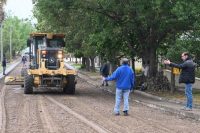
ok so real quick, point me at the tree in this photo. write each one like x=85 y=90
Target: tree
x=147 y=25
x=79 y=34
x=129 y=28
x=2 y=3
x=20 y=32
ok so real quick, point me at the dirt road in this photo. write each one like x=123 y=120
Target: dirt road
x=89 y=110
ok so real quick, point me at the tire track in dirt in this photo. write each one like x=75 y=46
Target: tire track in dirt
x=78 y=116
x=36 y=113
x=22 y=112
x=2 y=111
x=110 y=122
x=92 y=113
x=152 y=123
x=29 y=113
x=49 y=125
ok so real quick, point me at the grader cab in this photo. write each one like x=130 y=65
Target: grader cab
x=46 y=64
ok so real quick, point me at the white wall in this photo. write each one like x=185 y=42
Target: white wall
x=168 y=74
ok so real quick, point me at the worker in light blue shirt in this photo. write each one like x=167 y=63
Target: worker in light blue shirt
x=124 y=77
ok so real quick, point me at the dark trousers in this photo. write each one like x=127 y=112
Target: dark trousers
x=4 y=70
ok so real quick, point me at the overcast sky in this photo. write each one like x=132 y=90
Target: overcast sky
x=19 y=8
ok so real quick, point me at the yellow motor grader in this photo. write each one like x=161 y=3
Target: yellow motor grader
x=46 y=65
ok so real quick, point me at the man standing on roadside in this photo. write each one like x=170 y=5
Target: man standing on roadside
x=124 y=77
x=4 y=65
x=24 y=60
x=187 y=76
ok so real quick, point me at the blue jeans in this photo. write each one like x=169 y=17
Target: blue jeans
x=118 y=96
x=188 y=93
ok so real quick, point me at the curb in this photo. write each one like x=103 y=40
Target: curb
x=10 y=69
x=185 y=114
x=163 y=99
x=149 y=95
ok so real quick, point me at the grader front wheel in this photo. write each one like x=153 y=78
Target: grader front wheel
x=28 y=84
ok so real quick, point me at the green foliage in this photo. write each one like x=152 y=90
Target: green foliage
x=116 y=28
x=198 y=73
x=20 y=30
x=185 y=45
x=174 y=53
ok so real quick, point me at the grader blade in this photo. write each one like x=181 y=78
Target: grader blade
x=9 y=80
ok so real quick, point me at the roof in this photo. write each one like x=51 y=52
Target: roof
x=47 y=34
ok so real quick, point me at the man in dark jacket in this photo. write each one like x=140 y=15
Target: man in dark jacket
x=105 y=72
x=124 y=77
x=187 y=76
x=4 y=65
x=24 y=60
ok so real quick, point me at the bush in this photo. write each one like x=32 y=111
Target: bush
x=198 y=73
x=158 y=83
x=77 y=66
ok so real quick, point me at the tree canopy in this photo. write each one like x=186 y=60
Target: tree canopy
x=20 y=30
x=116 y=28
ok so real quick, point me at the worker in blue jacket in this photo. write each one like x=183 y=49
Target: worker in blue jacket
x=124 y=77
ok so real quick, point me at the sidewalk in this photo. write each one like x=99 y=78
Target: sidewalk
x=10 y=67
x=146 y=99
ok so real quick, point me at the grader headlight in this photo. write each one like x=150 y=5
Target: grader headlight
x=44 y=52
x=60 y=55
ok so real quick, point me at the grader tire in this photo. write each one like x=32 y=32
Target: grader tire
x=28 y=84
x=70 y=87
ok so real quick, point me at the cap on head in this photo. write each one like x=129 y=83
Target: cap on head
x=125 y=61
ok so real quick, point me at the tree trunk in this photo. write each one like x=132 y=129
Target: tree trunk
x=172 y=85
x=133 y=64
x=1 y=11
x=153 y=62
x=149 y=59
x=87 y=64
x=83 y=62
x=146 y=59
x=92 y=68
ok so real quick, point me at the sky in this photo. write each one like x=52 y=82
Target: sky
x=20 y=8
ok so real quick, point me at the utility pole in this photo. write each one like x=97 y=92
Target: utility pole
x=10 y=44
x=1 y=41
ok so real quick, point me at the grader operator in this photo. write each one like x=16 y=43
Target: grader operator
x=46 y=64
